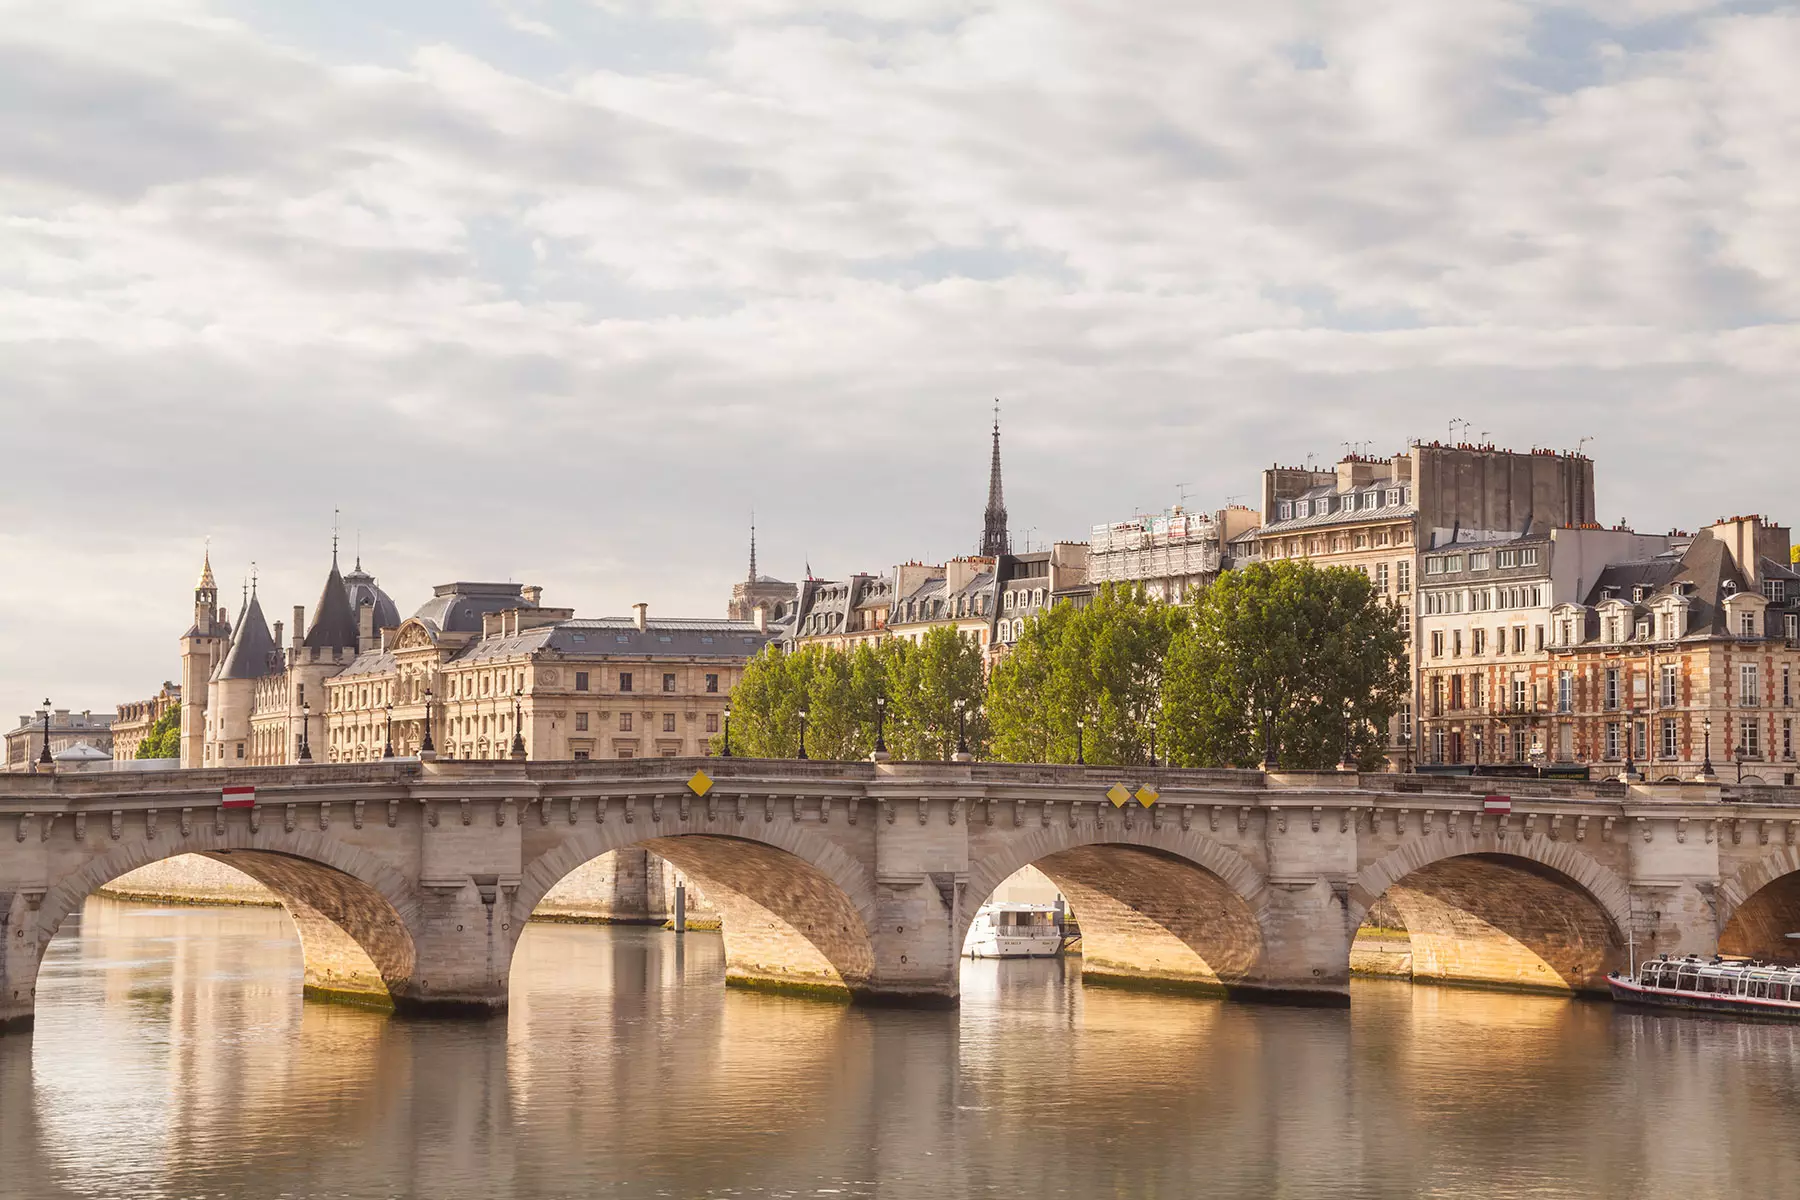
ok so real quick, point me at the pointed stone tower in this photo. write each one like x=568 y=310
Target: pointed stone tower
x=202 y=646
x=995 y=541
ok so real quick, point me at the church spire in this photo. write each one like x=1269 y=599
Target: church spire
x=752 y=576
x=207 y=583
x=994 y=538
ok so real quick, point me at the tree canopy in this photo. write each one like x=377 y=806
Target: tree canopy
x=164 y=738
x=840 y=691
x=1286 y=654
x=1101 y=665
x=1288 y=657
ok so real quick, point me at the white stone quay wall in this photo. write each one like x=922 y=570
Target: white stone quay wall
x=189 y=879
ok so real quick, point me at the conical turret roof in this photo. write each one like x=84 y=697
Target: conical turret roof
x=206 y=576
x=252 y=654
x=333 y=623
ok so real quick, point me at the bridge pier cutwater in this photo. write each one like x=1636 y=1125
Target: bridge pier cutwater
x=410 y=883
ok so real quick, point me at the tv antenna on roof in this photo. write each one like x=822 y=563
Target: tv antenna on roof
x=1584 y=441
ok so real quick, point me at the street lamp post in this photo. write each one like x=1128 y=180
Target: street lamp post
x=1740 y=764
x=1153 y=739
x=1346 y=762
x=425 y=746
x=881 y=750
x=1478 y=751
x=1405 y=752
x=44 y=758
x=962 y=731
x=802 y=733
x=1080 y=729
x=1269 y=762
x=727 y=752
x=306 y=733
x=1630 y=774
x=387 y=751
x=518 y=742
x=1706 y=768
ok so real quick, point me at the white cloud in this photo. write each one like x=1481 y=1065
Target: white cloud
x=564 y=288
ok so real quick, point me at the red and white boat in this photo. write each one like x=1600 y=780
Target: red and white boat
x=1736 y=986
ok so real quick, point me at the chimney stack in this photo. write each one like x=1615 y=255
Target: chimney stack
x=365 y=627
x=762 y=618
x=641 y=616
x=277 y=636
x=299 y=625
x=533 y=594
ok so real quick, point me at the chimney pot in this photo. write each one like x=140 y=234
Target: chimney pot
x=641 y=616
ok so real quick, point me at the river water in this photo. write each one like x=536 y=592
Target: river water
x=173 y=1057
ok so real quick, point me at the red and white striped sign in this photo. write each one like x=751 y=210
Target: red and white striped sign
x=237 y=797
x=1497 y=804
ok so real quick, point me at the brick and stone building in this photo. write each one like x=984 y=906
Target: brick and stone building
x=1683 y=659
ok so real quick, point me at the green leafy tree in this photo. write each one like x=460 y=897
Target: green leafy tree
x=839 y=692
x=164 y=738
x=1100 y=665
x=924 y=682
x=1289 y=657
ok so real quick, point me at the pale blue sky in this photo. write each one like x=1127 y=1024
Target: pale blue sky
x=558 y=290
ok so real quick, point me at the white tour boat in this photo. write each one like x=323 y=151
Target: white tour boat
x=1718 y=985
x=1017 y=931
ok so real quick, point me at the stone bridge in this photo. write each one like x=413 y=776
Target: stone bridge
x=410 y=883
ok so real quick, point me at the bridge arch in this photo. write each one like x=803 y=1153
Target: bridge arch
x=796 y=909
x=1165 y=906
x=1759 y=905
x=356 y=915
x=1506 y=911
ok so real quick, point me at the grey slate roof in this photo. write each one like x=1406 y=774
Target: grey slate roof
x=1338 y=515
x=459 y=607
x=1701 y=571
x=362 y=589
x=609 y=637
x=334 y=621
x=252 y=654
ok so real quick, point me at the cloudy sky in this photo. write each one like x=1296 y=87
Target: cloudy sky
x=559 y=290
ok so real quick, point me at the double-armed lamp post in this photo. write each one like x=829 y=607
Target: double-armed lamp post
x=44 y=758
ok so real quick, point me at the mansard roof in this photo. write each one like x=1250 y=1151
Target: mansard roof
x=253 y=654
x=334 y=622
x=459 y=607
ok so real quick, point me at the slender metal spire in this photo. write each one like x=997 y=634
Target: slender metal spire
x=753 y=545
x=995 y=541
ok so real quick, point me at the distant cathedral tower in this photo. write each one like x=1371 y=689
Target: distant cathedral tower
x=994 y=539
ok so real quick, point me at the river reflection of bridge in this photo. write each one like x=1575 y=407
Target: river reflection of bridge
x=174 y=1056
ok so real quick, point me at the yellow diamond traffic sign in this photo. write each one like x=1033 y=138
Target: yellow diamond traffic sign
x=700 y=784
x=1118 y=795
x=1146 y=795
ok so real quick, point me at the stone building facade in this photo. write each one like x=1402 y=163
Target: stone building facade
x=1383 y=516
x=25 y=742
x=491 y=667
x=135 y=719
